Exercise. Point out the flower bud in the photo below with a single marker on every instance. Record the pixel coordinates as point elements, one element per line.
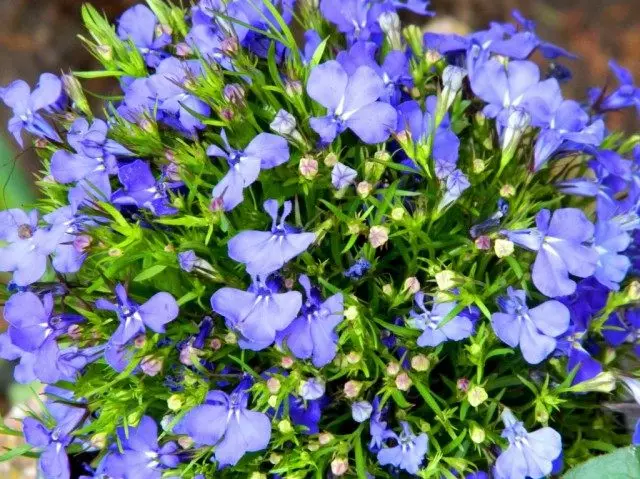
<point>105,51</point>
<point>229,45</point>
<point>507,191</point>
<point>339,466</point>
<point>393,368</point>
<point>351,313</point>
<point>274,458</point>
<point>477,434</point>
<point>99,440</point>
<point>412,285</point>
<point>273,385</point>
<point>115,252</point>
<point>389,22</point>
<point>432,56</point>
<point>397,214</point>
<point>75,92</point>
<point>354,357</point>
<point>183,49</point>
<point>230,338</point>
<point>311,389</point>
<point>215,344</point>
<point>174,403</point>
<point>286,362</point>
<point>420,363</point>
<point>308,167</point>
<point>352,388</point>
<point>151,366</point>
<point>330,160</point>
<point>185,442</point>
<point>139,341</point>
<point>364,189</point>
<point>477,395</point>
<point>361,411</point>
<point>325,438</point>
<point>463,384</point>
<point>285,427</point>
<point>483,242</point>
<point>403,381</point>
<point>633,293</point>
<point>387,289</point>
<point>234,93</point>
<point>503,248</point>
<point>518,121</point>
<point>74,332</point>
<point>378,236</point>
<point>293,88</point>
<point>605,382</point>
<point>446,280</point>
<point>272,401</point>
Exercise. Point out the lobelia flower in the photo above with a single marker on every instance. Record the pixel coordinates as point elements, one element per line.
<point>378,427</point>
<point>140,26</point>
<point>529,454</point>
<point>27,106</point>
<point>157,311</point>
<point>569,125</point>
<point>141,457</point>
<point>517,85</point>
<point>547,49</point>
<point>312,334</point>
<point>342,176</point>
<point>312,389</point>
<point>306,413</point>
<point>141,189</point>
<point>264,152</point>
<point>619,329</point>
<point>559,240</point>
<point>264,252</point>
<point>259,313</point>
<point>224,421</point>
<point>358,269</point>
<point>352,17</point>
<point>535,329</point>
<point>444,143</point>
<point>625,96</point>
<point>571,345</point>
<point>455,329</point>
<point>351,102</point>
<point>409,454</point>
<point>609,240</point>
<point>456,184</point>
<point>53,461</point>
<point>28,246</point>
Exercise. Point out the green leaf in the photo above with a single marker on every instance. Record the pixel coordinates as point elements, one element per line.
<point>621,464</point>
<point>15,452</point>
<point>150,272</point>
<point>361,468</point>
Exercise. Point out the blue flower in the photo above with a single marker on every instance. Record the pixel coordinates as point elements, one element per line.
<point>535,329</point>
<point>610,240</point>
<point>312,389</point>
<point>352,17</point>
<point>140,25</point>
<point>352,102</point>
<point>620,328</point>
<point>224,421</point>
<point>456,184</point>
<point>157,311</point>
<point>342,176</point>
<point>569,126</point>
<point>361,411</point>
<point>187,260</point>
<point>27,106</point>
<point>141,456</point>
<point>559,240</point>
<point>264,152</point>
<point>312,334</point>
<point>27,246</point>
<point>571,345</point>
<point>454,329</point>
<point>264,252</point>
<point>635,440</point>
<point>142,189</point>
<point>529,454</point>
<point>625,96</point>
<point>258,314</point>
<point>548,50</point>
<point>409,454</point>
<point>53,461</point>
<point>358,269</point>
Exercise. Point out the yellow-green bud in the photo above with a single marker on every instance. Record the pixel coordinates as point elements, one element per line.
<point>503,248</point>
<point>477,434</point>
<point>477,395</point>
<point>174,403</point>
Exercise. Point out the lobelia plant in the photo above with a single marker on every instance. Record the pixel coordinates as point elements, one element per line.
<point>382,253</point>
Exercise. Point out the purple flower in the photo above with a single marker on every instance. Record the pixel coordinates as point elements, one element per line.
<point>312,334</point>
<point>568,125</point>
<point>619,328</point>
<point>548,50</point>
<point>257,314</point>
<point>27,106</point>
<point>187,260</point>
<point>342,176</point>
<point>91,139</point>
<point>32,322</point>
<point>306,413</point>
<point>312,389</point>
<point>70,252</point>
<point>378,427</point>
<point>141,457</point>
<point>176,106</point>
<point>358,269</point>
<point>571,345</point>
<point>53,461</point>
<point>625,96</point>
<point>264,252</point>
<point>635,439</point>
<point>609,240</point>
<point>224,421</point>
<point>140,25</point>
<point>560,241</point>
<point>139,100</point>
<point>159,310</point>
<point>27,246</point>
<point>264,152</point>
<point>409,453</point>
<point>352,17</point>
<point>456,184</point>
<point>529,454</point>
<point>433,334</point>
<point>535,329</point>
<point>351,101</point>
<point>141,189</point>
<point>515,86</point>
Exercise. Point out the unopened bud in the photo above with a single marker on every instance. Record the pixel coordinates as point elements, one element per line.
<point>352,388</point>
<point>483,242</point>
<point>273,385</point>
<point>503,248</point>
<point>507,191</point>
<point>174,403</point>
<point>420,363</point>
<point>633,293</point>
<point>354,357</point>
<point>325,438</point>
<point>308,167</point>
<point>477,434</point>
<point>105,51</point>
<point>393,368</point>
<point>397,214</point>
<point>403,381</point>
<point>477,395</point>
<point>339,466</point>
<point>215,344</point>
<point>412,285</point>
<point>378,236</point>
<point>99,440</point>
<point>286,362</point>
<point>230,338</point>
<point>151,366</point>
<point>478,165</point>
<point>364,189</point>
<point>272,401</point>
<point>185,442</point>
<point>330,160</point>
<point>293,88</point>
<point>446,280</point>
<point>351,313</point>
<point>387,289</point>
<point>285,427</point>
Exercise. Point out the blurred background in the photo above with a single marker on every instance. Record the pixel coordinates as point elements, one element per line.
<point>41,36</point>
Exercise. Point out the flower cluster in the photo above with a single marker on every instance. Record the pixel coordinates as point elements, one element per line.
<point>382,253</point>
